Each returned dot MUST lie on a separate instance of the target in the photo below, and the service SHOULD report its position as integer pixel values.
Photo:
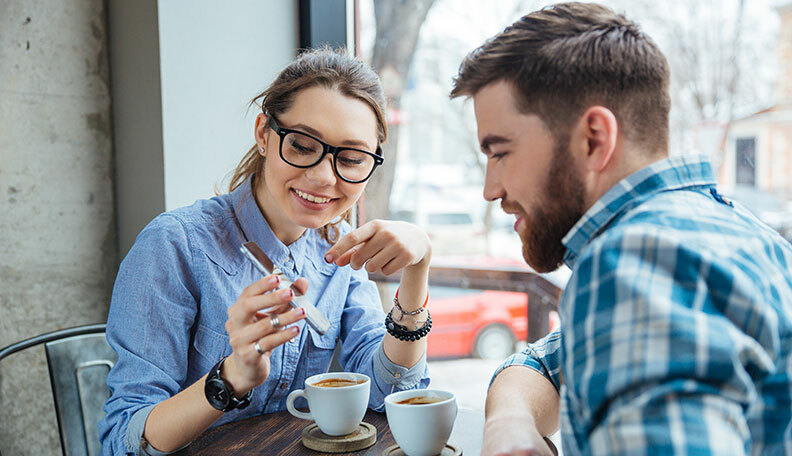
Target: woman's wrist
(414, 285)
(230, 373)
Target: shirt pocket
(320, 347)
(209, 347)
(329, 303)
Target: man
(676, 329)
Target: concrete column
(57, 228)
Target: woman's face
(294, 199)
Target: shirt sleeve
(148, 326)
(661, 362)
(362, 332)
(542, 356)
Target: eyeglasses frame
(326, 149)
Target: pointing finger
(353, 238)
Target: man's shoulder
(680, 217)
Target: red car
(483, 324)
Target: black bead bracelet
(402, 333)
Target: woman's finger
(264, 313)
(302, 285)
(276, 339)
(242, 312)
(261, 286)
(396, 264)
(273, 323)
(365, 253)
(346, 258)
(381, 258)
(352, 239)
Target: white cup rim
(309, 382)
(393, 398)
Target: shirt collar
(673, 173)
(256, 229)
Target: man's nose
(492, 187)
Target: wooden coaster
(449, 450)
(315, 439)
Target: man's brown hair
(565, 58)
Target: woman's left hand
(384, 246)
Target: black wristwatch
(220, 394)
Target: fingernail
(274, 279)
(295, 329)
(287, 293)
(299, 311)
(329, 258)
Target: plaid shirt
(676, 334)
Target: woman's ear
(600, 131)
(260, 133)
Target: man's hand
(509, 436)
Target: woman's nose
(322, 173)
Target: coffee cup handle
(290, 405)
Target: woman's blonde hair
(324, 67)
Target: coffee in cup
(337, 401)
(337, 382)
(419, 400)
(421, 420)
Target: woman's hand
(246, 368)
(382, 246)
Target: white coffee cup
(336, 410)
(421, 429)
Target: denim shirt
(169, 309)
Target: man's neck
(630, 161)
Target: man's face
(535, 177)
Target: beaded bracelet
(402, 333)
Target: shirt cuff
(134, 435)
(400, 378)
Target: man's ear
(260, 132)
(598, 133)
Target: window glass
(730, 89)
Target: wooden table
(279, 434)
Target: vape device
(315, 319)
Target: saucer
(449, 450)
(315, 439)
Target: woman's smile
(312, 201)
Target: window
(745, 162)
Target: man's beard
(554, 215)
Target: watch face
(217, 394)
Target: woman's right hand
(246, 368)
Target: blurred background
(113, 111)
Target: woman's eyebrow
(313, 131)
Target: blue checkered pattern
(676, 323)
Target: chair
(79, 360)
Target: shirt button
(396, 375)
(284, 385)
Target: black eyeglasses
(302, 150)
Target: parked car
(483, 324)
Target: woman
(187, 304)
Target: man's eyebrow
(489, 140)
(348, 142)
